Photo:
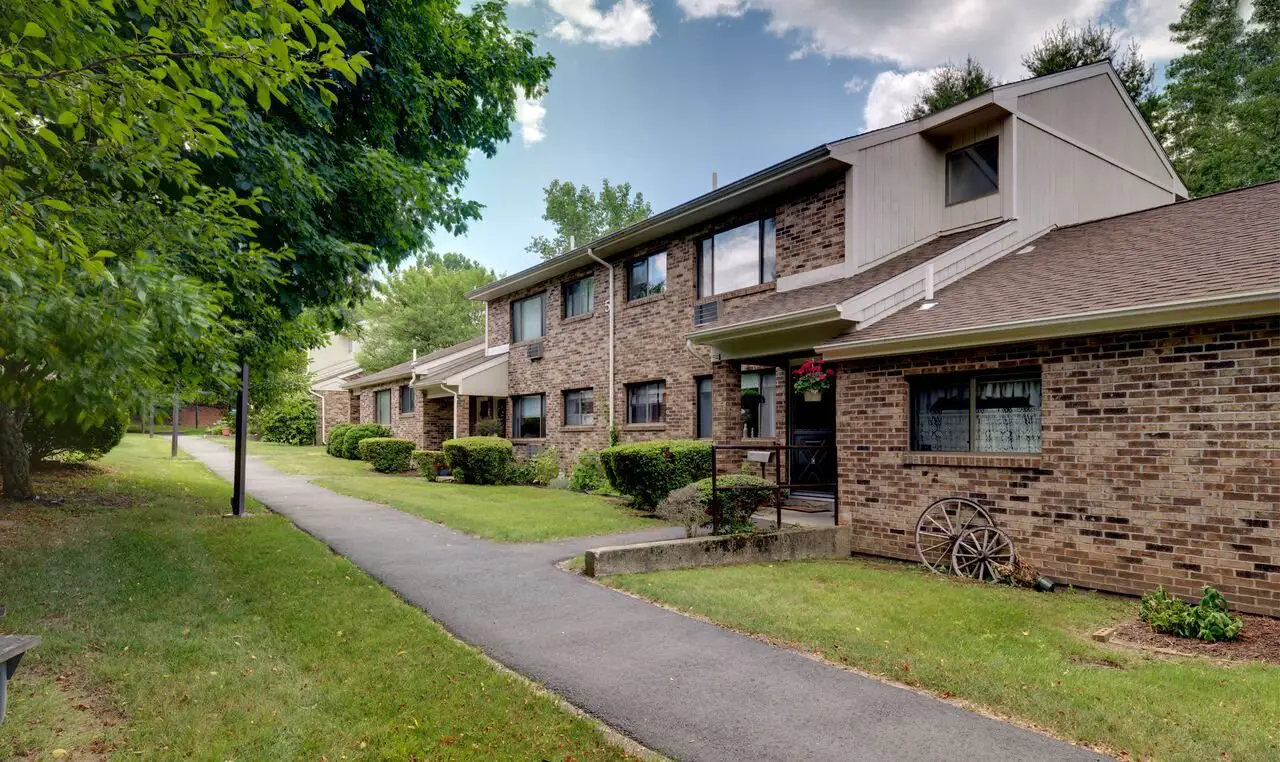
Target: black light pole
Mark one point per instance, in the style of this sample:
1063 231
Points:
173 448
242 433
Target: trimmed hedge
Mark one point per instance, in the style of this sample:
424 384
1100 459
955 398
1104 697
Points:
387 455
478 460
736 506
336 435
648 471
429 463
352 437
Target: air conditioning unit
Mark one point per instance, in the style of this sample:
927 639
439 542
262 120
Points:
707 312
535 351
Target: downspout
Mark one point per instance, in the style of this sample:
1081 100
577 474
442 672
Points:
688 344
318 396
453 392
609 305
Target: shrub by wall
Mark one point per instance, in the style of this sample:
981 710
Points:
336 435
546 467
387 455
588 475
735 506
429 463
292 421
353 436
478 460
648 471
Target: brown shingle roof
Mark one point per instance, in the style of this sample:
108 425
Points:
1211 246
405 369
836 291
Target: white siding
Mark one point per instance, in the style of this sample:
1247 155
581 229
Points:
1059 184
899 197
1093 112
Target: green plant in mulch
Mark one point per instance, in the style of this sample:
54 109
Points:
1209 620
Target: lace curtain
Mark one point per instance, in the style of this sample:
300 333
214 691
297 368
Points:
1008 416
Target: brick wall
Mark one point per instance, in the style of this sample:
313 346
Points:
427 426
651 331
336 410
1158 466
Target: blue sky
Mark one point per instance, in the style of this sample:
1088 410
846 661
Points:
662 93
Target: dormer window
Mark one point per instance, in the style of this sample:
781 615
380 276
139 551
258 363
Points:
973 171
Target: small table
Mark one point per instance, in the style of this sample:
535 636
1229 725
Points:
12 647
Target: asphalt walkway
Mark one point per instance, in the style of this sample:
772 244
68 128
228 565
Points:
688 689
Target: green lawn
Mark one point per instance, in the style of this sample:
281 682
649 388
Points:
171 633
504 514
1021 654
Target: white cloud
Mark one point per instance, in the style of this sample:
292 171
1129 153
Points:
856 85
891 94
626 22
529 113
921 34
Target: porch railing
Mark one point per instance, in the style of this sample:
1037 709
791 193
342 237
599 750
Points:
778 486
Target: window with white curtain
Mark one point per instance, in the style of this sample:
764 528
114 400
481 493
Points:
759 403
976 413
579 407
645 402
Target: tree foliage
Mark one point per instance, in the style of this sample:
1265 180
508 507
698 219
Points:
1220 110
1067 46
950 84
581 215
424 307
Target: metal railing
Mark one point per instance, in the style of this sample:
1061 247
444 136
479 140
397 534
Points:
778 486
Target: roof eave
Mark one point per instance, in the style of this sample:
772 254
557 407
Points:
770 324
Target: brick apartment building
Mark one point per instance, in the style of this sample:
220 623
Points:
1019 305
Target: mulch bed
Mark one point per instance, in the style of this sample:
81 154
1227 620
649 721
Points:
1259 641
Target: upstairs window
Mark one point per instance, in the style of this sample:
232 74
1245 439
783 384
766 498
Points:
578 296
579 407
644 402
973 171
530 417
739 258
647 276
406 400
529 318
977 413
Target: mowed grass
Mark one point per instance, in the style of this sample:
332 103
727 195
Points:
1022 654
504 514
173 633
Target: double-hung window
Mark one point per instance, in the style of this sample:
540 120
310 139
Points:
759 403
579 407
406 399
529 317
973 171
578 296
738 258
645 402
382 407
647 276
530 417
997 413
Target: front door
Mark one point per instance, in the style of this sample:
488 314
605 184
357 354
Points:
811 423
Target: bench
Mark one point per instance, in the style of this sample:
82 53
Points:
12 647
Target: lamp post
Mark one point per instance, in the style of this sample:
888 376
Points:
242 433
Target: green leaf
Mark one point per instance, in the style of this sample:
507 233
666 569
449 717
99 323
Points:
67 117
264 97
358 5
32 29
54 203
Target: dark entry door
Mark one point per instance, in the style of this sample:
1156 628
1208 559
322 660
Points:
812 422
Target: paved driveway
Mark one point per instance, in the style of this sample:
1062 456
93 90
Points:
688 689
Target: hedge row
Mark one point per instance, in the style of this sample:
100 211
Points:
387 455
345 438
478 460
648 471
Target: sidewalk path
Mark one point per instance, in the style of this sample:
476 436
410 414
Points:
688 689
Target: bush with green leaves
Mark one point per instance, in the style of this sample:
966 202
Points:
429 463
67 440
387 455
648 471
478 460
545 466
1209 620
336 436
735 506
685 507
489 427
352 437
588 475
291 421
519 472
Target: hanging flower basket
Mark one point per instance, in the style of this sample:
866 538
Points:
812 380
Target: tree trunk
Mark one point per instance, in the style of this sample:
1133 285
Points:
15 469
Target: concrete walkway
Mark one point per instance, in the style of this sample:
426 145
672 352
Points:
688 689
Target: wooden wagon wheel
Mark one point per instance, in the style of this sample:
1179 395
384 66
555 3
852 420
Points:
979 550
940 525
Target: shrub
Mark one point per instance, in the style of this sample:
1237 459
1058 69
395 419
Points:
489 427
545 466
1209 620
478 460
336 435
648 471
684 506
387 455
588 475
67 440
736 506
429 463
518 472
352 437
292 421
